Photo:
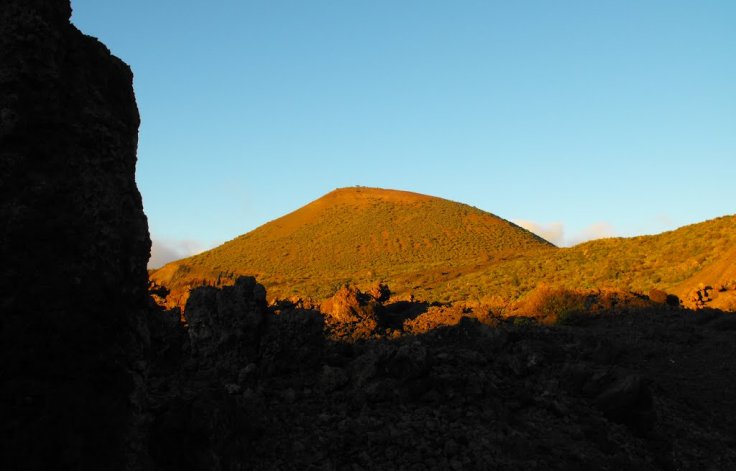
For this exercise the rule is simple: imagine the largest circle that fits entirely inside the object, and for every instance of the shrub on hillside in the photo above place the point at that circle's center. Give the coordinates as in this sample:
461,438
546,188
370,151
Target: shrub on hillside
658,296
554,305
570,307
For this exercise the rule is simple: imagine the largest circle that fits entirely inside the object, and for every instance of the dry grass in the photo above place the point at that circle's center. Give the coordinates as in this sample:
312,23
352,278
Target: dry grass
555,305
438,250
358,236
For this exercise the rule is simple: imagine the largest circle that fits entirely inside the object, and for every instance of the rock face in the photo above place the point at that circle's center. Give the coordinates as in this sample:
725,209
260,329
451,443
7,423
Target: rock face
74,245
349,305
206,381
224,325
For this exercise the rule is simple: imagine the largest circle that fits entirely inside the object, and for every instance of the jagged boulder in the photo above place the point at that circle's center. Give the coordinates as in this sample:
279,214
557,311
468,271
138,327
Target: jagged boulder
351,306
700,297
74,246
225,325
380,292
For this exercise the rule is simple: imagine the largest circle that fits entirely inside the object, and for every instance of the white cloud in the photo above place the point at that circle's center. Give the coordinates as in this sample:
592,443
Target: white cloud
165,250
553,231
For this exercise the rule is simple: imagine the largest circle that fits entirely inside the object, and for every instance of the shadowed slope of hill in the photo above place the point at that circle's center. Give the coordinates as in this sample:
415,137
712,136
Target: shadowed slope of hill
356,234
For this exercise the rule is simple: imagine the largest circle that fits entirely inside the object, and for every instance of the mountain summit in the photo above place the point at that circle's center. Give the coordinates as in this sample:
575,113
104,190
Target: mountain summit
353,234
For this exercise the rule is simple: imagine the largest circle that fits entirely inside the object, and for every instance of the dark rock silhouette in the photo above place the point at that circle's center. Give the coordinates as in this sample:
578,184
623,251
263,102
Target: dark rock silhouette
629,401
448,389
74,246
224,325
292,341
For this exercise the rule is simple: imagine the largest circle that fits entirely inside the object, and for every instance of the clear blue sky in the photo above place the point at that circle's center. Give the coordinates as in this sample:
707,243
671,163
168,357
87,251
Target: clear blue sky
585,117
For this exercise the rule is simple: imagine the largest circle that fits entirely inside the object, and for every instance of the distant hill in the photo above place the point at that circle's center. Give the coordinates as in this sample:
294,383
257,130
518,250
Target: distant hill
675,261
439,250
356,234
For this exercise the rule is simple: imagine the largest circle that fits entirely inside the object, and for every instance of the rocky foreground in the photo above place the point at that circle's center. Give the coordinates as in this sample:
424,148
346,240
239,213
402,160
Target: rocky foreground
248,387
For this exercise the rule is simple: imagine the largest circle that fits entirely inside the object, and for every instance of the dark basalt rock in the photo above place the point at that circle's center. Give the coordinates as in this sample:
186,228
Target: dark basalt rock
292,341
225,324
74,245
629,401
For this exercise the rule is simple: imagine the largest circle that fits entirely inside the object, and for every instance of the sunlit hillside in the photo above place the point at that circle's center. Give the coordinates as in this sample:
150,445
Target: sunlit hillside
439,250
357,234
675,261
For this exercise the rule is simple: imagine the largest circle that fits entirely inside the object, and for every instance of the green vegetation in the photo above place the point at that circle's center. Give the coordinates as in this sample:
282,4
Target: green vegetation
358,235
665,261
555,305
565,306
438,250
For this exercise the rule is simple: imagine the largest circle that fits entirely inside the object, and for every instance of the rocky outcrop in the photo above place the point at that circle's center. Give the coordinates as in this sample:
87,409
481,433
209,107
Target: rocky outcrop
293,340
352,312
232,336
349,305
701,296
380,292
225,325
74,246
510,396
290,388
206,379
436,316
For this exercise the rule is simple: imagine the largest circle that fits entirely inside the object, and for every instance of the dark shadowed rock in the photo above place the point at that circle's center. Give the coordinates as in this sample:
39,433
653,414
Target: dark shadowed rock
74,246
629,401
673,300
409,362
292,341
225,324
210,430
726,322
332,378
380,292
